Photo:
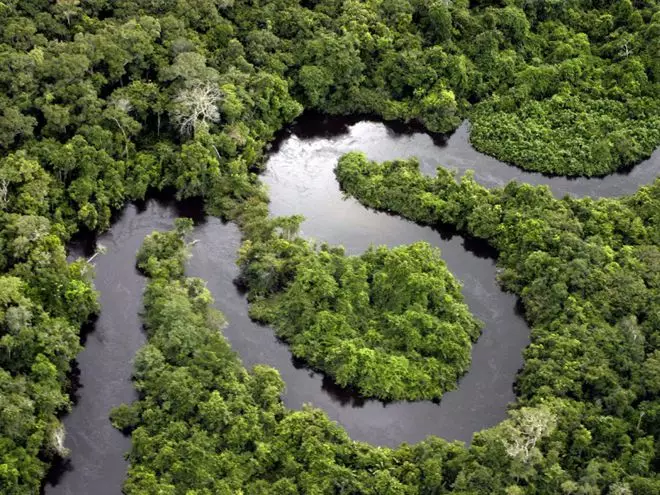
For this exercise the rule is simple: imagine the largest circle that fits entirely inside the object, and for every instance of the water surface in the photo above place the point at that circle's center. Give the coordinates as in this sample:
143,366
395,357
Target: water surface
96,465
301,181
387,141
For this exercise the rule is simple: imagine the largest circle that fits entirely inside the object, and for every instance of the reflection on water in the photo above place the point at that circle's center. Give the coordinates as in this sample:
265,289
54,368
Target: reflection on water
301,181
387,141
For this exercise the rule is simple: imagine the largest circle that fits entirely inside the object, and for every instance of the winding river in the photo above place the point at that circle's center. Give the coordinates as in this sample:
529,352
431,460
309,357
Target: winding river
301,180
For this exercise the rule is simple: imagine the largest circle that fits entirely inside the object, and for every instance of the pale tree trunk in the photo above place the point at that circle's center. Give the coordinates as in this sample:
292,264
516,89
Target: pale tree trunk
126,141
4,192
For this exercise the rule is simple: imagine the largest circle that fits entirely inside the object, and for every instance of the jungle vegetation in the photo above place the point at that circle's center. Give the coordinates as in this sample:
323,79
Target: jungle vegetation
588,274
204,424
104,101
390,323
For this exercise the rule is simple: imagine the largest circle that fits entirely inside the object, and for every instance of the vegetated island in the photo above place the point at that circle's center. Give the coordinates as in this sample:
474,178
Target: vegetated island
390,323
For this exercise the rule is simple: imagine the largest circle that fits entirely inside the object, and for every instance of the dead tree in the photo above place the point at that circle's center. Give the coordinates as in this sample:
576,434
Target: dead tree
195,106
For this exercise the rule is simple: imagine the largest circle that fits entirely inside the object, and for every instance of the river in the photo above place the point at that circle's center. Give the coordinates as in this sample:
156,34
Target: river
300,178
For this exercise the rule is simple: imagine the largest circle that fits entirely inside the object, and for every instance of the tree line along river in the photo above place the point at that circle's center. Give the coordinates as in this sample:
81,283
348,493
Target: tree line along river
301,180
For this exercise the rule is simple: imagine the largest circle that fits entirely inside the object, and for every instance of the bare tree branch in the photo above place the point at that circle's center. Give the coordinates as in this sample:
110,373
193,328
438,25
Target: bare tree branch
528,426
196,105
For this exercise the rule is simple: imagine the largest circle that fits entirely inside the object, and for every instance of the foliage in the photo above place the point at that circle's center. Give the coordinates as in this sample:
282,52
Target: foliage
163,253
43,302
585,100
586,415
569,135
205,424
391,323
587,274
102,102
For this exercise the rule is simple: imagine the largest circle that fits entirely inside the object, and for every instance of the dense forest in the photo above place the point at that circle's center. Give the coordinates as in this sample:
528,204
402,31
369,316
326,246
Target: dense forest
586,421
390,323
102,102
588,273
206,425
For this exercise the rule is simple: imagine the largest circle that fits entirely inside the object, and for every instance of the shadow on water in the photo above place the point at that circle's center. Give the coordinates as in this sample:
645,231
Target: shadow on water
343,396
391,140
101,377
313,125
301,181
58,470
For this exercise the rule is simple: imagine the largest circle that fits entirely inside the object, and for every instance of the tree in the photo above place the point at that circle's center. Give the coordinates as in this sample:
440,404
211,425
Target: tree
14,124
651,373
68,8
189,69
440,20
196,106
118,111
439,110
524,430
24,185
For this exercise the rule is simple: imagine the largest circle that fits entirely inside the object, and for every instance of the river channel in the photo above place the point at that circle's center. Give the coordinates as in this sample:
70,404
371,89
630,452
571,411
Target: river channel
300,179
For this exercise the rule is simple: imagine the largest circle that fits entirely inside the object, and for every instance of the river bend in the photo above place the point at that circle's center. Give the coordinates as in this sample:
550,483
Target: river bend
300,178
